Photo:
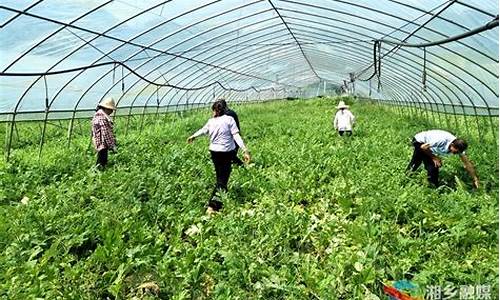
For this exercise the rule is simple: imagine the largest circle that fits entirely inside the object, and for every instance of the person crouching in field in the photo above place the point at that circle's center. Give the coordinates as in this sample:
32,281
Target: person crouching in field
102,131
428,144
343,120
223,134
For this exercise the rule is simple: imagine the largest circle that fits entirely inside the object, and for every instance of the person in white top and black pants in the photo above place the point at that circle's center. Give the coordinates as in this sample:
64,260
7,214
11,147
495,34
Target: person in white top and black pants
224,135
431,143
344,119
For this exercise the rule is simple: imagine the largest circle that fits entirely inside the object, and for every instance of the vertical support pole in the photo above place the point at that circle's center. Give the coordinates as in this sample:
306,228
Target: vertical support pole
157,103
16,132
370,88
70,130
71,126
89,144
123,81
42,139
424,71
8,137
464,114
114,71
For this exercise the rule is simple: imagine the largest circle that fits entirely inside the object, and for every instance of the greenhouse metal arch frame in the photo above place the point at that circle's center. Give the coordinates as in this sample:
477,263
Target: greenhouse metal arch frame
195,60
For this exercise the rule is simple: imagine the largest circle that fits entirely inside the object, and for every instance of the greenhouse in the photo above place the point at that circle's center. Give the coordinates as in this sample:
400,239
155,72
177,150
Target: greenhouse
319,196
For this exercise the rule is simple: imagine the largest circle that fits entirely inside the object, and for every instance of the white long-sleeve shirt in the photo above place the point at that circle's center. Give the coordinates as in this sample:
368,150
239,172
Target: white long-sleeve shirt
223,134
343,120
438,140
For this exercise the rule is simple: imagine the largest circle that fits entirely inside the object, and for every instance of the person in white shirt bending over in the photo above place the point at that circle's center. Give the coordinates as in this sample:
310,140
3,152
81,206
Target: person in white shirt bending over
428,144
223,134
344,119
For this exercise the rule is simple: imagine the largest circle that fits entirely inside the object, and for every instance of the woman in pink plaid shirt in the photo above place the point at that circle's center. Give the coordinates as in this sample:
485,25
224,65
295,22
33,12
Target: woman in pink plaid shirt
102,131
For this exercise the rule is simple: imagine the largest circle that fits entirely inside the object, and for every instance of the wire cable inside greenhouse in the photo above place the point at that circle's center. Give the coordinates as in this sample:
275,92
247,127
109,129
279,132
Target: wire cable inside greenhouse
261,149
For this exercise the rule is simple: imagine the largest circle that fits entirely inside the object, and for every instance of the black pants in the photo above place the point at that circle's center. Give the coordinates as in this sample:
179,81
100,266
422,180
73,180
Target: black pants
416,160
102,158
349,132
236,160
222,163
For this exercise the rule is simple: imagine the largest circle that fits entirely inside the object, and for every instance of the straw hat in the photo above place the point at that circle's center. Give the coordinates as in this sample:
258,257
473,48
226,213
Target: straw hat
108,103
342,105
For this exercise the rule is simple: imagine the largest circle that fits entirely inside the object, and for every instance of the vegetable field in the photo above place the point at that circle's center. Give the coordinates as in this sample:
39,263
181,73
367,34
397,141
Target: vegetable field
314,216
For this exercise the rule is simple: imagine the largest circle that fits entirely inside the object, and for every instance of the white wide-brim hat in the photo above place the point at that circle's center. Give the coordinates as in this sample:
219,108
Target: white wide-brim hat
108,103
342,105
